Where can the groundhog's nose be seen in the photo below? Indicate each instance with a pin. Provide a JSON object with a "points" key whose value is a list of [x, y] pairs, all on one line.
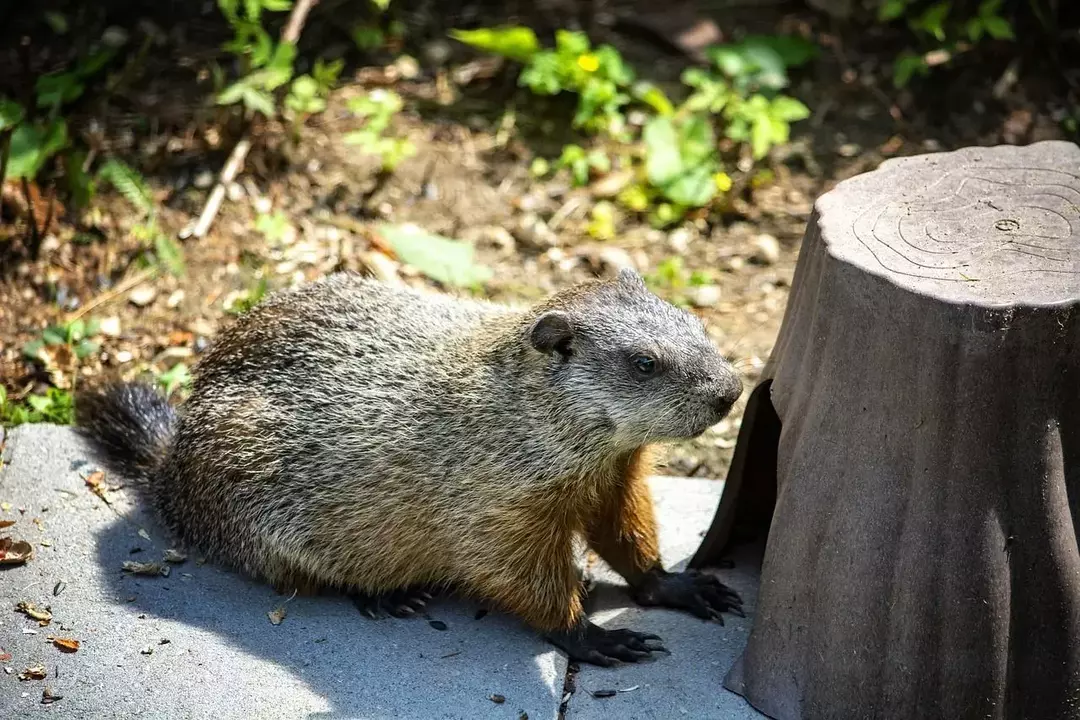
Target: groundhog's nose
{"points": [[729, 390]]}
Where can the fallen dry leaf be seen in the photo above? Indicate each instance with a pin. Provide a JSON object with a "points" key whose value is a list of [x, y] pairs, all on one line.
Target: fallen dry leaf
{"points": [[69, 645], [145, 535], [41, 615], [15, 552], [147, 568], [276, 616], [5, 656], [6, 524], [34, 672], [174, 556], [147, 650]]}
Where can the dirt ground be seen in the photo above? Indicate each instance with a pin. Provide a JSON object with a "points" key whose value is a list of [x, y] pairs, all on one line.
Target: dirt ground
{"points": [[476, 136]]}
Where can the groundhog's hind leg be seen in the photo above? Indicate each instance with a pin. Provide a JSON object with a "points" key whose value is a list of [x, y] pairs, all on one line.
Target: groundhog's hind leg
{"points": [[402, 603]]}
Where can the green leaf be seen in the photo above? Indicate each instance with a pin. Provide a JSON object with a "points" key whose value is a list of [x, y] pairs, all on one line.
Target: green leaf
{"points": [[932, 21], [277, 5], [169, 253], [517, 43], [80, 184], [694, 188], [989, 8], [86, 348], [75, 331], [54, 335], [891, 9], [697, 144], [788, 109], [571, 43], [55, 89], [129, 183], [32, 145], [40, 403], [232, 94], [447, 261], [663, 162], [305, 87], [760, 136], [906, 65], [32, 349], [974, 29], [792, 50], [58, 22], [998, 28], [654, 97], [11, 114], [729, 60], [258, 101]]}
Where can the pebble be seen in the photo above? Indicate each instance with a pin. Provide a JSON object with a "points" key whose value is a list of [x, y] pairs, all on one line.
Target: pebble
{"points": [[534, 233], [142, 295], [848, 150], [767, 250], [704, 296], [611, 184], [110, 326], [234, 191], [175, 299], [203, 179], [124, 356], [263, 204], [678, 241], [492, 236], [437, 52]]}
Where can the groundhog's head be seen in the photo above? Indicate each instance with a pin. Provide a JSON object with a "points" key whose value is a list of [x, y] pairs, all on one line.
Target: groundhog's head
{"points": [[620, 356]]}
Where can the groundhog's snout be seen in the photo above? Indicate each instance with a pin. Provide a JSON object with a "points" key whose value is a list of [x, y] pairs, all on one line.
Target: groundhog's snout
{"points": [[729, 387]]}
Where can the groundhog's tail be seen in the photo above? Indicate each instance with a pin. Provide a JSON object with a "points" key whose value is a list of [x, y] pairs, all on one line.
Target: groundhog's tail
{"points": [[130, 426]]}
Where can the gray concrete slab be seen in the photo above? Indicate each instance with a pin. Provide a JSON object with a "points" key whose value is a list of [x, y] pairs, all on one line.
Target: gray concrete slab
{"points": [[224, 659], [686, 683]]}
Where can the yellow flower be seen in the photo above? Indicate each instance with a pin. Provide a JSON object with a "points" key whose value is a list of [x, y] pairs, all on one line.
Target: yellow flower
{"points": [[723, 182], [588, 63]]}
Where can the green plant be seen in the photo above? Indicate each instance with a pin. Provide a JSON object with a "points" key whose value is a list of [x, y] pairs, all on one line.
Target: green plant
{"points": [[377, 108], [941, 32], [178, 377], [582, 163], [272, 227], [265, 65], [55, 406], [447, 261], [307, 94], [129, 183], [249, 298], [672, 279], [599, 76], [78, 336]]}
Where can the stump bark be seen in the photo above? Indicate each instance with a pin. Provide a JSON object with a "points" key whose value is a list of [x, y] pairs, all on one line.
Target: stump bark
{"points": [[913, 451]]}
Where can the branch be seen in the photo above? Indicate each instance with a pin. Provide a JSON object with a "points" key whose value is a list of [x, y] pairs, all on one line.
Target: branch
{"points": [[290, 34]]}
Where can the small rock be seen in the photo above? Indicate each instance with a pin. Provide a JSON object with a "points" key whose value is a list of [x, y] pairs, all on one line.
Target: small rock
{"points": [[263, 204], [678, 241], [848, 150], [110, 326], [124, 356], [736, 263], [534, 233], [234, 191], [407, 67], [704, 296], [175, 299], [492, 236], [611, 184], [203, 179], [616, 259], [437, 52], [767, 250], [142, 295]]}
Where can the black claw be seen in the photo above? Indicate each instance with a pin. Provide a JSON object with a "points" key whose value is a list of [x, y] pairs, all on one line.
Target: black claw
{"points": [[593, 644], [698, 593]]}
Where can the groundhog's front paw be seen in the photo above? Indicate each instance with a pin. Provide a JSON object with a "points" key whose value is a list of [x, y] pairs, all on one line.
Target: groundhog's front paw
{"points": [[399, 603], [593, 644], [693, 591]]}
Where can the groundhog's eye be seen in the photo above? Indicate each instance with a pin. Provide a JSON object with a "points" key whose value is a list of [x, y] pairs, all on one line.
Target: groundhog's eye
{"points": [[643, 364]]}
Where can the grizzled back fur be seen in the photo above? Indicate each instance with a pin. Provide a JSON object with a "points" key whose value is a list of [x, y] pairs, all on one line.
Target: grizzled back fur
{"points": [[350, 434]]}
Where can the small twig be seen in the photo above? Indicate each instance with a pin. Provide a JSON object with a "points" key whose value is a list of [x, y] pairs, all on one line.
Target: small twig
{"points": [[290, 34], [35, 241], [105, 297], [5, 151]]}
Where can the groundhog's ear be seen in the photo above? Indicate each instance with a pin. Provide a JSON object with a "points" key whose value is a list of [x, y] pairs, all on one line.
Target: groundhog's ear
{"points": [[552, 333], [630, 278]]}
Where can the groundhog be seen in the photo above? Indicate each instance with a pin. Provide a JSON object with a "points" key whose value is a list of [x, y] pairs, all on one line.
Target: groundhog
{"points": [[388, 442]]}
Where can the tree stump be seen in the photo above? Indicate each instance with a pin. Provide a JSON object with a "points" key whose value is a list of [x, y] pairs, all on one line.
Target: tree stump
{"points": [[913, 451]]}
